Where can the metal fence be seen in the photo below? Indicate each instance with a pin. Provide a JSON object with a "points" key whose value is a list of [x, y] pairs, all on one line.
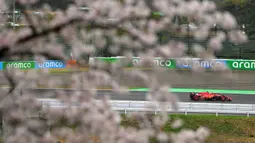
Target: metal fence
{"points": [[184, 107]]}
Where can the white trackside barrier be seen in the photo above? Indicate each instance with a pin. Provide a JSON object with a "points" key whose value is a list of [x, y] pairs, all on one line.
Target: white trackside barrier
{"points": [[184, 107]]}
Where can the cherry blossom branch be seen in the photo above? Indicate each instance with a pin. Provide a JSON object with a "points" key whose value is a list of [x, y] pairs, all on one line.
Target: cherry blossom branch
{"points": [[46, 32], [91, 116], [30, 22], [115, 26], [29, 52], [6, 52], [11, 81]]}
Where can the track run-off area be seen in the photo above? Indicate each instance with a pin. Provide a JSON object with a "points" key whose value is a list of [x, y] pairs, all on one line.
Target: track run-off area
{"points": [[238, 96]]}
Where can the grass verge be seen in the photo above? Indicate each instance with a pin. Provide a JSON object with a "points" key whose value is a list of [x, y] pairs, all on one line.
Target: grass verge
{"points": [[224, 129]]}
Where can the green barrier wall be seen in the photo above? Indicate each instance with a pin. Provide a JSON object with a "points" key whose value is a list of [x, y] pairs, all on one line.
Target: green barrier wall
{"points": [[185, 63], [166, 63]]}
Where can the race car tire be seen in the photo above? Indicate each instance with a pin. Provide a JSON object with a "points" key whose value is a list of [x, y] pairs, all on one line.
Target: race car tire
{"points": [[191, 95]]}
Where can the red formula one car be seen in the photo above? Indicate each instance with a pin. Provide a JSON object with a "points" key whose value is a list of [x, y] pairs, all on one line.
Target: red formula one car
{"points": [[209, 96]]}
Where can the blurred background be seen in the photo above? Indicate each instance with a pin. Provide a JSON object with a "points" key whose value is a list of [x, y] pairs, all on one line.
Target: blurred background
{"points": [[241, 9]]}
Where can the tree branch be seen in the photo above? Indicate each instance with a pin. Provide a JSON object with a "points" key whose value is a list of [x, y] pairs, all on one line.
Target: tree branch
{"points": [[12, 84], [5, 50], [116, 25], [30, 22], [55, 29], [29, 52]]}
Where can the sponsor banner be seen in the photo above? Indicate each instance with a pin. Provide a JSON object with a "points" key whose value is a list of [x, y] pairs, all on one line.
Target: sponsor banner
{"points": [[19, 65], [93, 60], [207, 64], [108, 59], [168, 63], [241, 64], [51, 64]]}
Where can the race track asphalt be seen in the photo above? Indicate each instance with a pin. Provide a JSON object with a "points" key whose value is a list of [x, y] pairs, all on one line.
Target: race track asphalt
{"points": [[141, 96], [241, 80]]}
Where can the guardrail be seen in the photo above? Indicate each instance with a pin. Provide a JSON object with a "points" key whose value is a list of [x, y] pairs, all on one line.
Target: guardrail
{"points": [[184, 107]]}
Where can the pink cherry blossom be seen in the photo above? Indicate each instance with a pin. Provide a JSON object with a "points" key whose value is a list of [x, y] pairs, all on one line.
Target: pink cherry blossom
{"points": [[127, 29]]}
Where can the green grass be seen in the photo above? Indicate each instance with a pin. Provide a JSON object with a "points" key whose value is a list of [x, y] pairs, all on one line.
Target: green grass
{"points": [[224, 129]]}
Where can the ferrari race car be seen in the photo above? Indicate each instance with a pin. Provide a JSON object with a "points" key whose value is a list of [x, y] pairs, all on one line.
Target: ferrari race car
{"points": [[209, 96]]}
